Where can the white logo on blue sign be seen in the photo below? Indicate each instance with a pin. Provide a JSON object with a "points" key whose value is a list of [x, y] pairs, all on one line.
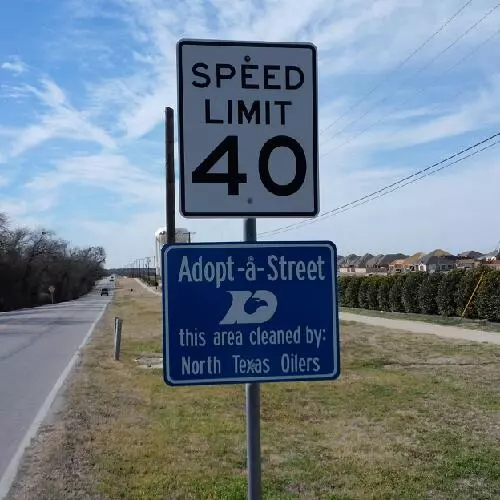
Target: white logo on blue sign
{"points": [[250, 308]]}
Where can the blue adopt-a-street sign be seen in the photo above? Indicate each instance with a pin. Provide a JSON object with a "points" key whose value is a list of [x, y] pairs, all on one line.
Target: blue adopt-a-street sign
{"points": [[250, 312]]}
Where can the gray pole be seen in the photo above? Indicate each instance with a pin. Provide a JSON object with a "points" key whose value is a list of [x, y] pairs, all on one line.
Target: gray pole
{"points": [[118, 337], [253, 410], [170, 174]]}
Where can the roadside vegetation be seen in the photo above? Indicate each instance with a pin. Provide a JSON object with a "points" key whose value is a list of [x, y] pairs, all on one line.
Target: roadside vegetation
{"points": [[473, 294], [34, 261], [411, 417]]}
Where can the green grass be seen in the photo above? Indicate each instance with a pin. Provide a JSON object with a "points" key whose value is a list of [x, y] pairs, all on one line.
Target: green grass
{"points": [[473, 324], [410, 417]]}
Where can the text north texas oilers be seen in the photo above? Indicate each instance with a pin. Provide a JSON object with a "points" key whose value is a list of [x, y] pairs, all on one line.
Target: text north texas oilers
{"points": [[249, 77]]}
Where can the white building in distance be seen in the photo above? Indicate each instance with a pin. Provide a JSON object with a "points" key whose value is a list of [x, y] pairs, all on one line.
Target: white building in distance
{"points": [[182, 235]]}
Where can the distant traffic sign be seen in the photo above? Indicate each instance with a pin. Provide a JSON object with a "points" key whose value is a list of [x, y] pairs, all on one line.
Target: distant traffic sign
{"points": [[247, 129], [243, 312]]}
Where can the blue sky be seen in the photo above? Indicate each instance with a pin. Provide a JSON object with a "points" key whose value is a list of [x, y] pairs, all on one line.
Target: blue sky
{"points": [[83, 86]]}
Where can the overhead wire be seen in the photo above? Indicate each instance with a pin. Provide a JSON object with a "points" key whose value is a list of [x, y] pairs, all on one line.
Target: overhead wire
{"points": [[427, 174], [427, 171], [380, 195], [422, 68], [398, 67], [418, 91]]}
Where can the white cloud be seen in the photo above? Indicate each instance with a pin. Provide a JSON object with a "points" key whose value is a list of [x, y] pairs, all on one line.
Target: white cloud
{"points": [[14, 65], [29, 212], [112, 173], [60, 121], [392, 129]]}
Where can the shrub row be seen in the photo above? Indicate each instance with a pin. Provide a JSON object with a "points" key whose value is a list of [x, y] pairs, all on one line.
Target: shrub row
{"points": [[446, 294]]}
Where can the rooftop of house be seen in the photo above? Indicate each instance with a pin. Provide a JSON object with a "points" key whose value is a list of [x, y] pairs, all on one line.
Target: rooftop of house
{"points": [[437, 259], [470, 254], [399, 259], [413, 259], [439, 253]]}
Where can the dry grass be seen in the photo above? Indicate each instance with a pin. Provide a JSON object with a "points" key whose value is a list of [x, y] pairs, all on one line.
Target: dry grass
{"points": [[411, 417]]}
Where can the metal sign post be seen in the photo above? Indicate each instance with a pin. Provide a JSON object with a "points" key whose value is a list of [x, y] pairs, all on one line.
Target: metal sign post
{"points": [[252, 393], [170, 175]]}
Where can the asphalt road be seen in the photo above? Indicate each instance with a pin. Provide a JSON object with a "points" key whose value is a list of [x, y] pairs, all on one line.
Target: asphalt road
{"points": [[36, 346]]}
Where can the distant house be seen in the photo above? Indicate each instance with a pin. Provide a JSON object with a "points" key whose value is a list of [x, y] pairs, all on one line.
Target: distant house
{"points": [[406, 265], [367, 264], [361, 262], [373, 263], [346, 264], [490, 256], [462, 263], [356, 265], [495, 264], [349, 260], [389, 258], [396, 266], [435, 263]]}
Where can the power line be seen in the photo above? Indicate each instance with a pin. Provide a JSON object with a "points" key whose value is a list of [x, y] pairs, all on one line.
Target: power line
{"points": [[422, 68], [397, 107], [399, 66], [425, 172], [428, 174]]}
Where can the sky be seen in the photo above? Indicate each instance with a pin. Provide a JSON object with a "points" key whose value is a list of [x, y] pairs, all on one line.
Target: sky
{"points": [[84, 84]]}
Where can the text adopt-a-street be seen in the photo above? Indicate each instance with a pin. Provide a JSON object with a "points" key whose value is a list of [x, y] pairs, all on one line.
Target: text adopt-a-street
{"points": [[220, 273]]}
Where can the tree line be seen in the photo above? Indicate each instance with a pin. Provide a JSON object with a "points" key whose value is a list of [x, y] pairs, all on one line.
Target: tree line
{"points": [[36, 267], [472, 293]]}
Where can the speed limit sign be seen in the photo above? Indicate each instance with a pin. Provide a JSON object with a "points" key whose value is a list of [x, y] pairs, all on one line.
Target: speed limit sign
{"points": [[248, 131]]}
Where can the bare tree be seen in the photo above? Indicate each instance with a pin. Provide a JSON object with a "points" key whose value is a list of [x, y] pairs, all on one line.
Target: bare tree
{"points": [[33, 261]]}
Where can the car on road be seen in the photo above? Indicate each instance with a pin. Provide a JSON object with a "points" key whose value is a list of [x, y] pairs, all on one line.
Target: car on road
{"points": [[104, 291]]}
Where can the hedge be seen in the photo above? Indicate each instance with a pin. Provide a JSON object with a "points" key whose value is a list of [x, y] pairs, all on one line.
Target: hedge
{"points": [[428, 294], [384, 290], [446, 294], [396, 294], [410, 292]]}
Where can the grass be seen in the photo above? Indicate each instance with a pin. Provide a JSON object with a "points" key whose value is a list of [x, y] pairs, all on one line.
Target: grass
{"points": [[411, 417], [472, 324]]}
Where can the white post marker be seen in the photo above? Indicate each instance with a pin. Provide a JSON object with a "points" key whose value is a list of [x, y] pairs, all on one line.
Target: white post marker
{"points": [[248, 132], [51, 291]]}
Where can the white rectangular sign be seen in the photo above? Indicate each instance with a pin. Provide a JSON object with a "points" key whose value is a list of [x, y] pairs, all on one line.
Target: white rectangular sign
{"points": [[248, 133]]}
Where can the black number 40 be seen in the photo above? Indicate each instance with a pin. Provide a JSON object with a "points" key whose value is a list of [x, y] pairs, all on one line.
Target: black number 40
{"points": [[233, 177]]}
